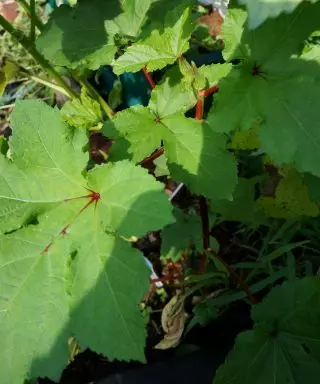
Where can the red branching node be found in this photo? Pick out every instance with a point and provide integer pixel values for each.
(46, 248)
(157, 119)
(256, 70)
(95, 196)
(64, 231)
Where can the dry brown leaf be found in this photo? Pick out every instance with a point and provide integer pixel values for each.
(214, 22)
(173, 320)
(9, 9)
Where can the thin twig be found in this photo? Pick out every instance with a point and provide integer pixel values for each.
(148, 77)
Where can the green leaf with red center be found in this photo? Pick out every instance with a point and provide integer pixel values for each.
(196, 155)
(75, 248)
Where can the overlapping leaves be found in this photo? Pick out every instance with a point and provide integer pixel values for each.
(274, 86)
(85, 34)
(196, 155)
(72, 249)
(167, 41)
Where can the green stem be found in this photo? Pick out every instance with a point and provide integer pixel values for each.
(28, 10)
(90, 89)
(33, 20)
(47, 83)
(29, 46)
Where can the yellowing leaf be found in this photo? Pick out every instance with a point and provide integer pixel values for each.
(291, 199)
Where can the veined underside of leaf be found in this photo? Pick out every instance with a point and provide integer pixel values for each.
(45, 266)
(274, 86)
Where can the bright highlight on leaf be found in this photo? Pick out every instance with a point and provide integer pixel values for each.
(162, 47)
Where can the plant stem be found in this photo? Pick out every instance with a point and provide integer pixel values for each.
(45, 82)
(159, 152)
(203, 202)
(209, 91)
(148, 77)
(199, 108)
(33, 20)
(93, 92)
(29, 46)
(29, 11)
(205, 222)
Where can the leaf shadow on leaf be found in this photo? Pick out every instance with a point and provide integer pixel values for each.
(105, 317)
(82, 29)
(203, 163)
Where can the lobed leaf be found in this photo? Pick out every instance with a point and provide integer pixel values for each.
(45, 266)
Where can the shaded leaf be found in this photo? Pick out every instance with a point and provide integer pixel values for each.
(284, 344)
(79, 36)
(181, 236)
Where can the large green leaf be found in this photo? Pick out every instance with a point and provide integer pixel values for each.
(66, 251)
(284, 344)
(80, 35)
(34, 311)
(274, 87)
(46, 166)
(166, 43)
(260, 10)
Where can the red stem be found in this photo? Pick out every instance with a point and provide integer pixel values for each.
(209, 91)
(159, 152)
(199, 108)
(203, 202)
(148, 77)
